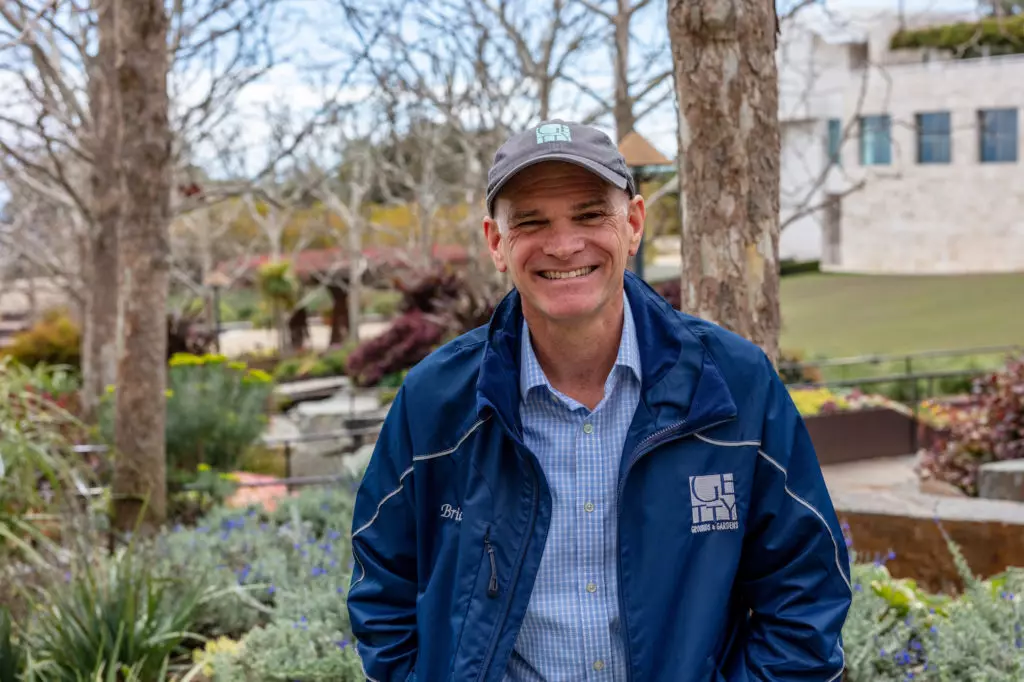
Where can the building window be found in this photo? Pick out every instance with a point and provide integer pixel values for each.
(933, 138)
(998, 135)
(875, 140)
(835, 141)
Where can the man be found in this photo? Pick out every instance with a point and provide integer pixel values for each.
(593, 486)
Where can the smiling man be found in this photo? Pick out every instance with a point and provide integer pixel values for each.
(593, 486)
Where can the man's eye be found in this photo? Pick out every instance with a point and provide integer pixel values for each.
(529, 223)
(589, 216)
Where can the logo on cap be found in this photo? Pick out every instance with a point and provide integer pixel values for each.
(553, 132)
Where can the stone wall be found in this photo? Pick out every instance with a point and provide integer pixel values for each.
(990, 533)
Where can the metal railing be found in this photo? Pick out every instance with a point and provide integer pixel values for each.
(356, 437)
(914, 396)
(906, 358)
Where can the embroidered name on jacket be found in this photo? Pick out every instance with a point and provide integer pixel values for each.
(450, 512)
(713, 503)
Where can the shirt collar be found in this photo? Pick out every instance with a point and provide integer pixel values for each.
(531, 375)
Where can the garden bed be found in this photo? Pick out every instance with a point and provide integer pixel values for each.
(868, 433)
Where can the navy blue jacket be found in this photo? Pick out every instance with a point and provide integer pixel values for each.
(732, 564)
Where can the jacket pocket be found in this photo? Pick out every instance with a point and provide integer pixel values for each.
(485, 559)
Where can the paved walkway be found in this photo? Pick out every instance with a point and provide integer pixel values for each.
(888, 474)
(234, 342)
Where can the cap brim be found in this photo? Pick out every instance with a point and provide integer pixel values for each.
(595, 168)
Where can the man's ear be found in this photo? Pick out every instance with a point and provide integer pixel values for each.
(492, 233)
(636, 216)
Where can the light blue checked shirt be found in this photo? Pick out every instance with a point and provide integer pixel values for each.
(572, 630)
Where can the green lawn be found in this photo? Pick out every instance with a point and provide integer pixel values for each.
(840, 315)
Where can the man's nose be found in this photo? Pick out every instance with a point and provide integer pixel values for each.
(563, 240)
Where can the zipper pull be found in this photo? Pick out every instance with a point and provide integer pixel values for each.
(492, 587)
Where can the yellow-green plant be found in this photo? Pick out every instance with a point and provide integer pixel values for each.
(216, 409)
(814, 401)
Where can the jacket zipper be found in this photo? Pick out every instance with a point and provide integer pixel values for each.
(492, 586)
(652, 441)
(515, 576)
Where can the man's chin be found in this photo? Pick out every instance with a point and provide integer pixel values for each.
(567, 309)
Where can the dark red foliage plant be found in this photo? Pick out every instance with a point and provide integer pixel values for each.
(409, 339)
(991, 433)
(438, 304)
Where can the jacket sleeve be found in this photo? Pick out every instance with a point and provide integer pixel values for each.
(794, 575)
(382, 594)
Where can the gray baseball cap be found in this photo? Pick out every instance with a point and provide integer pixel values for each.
(558, 140)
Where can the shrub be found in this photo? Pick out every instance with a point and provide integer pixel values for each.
(1001, 35)
(796, 375)
(992, 431)
(12, 654)
(284, 577)
(814, 401)
(311, 651)
(184, 335)
(215, 410)
(331, 362)
(437, 305)
(337, 358)
(54, 340)
(383, 303)
(896, 631)
(112, 613)
(35, 446)
(409, 339)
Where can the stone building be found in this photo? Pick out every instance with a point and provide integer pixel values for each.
(905, 161)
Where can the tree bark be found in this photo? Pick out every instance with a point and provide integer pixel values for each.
(726, 81)
(100, 321)
(339, 314)
(139, 484)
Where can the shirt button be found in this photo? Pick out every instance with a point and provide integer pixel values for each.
(591, 587)
(588, 507)
(588, 428)
(598, 665)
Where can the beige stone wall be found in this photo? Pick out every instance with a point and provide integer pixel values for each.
(912, 218)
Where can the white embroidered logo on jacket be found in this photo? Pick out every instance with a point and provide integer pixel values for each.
(713, 503)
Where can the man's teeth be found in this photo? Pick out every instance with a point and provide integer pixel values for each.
(579, 272)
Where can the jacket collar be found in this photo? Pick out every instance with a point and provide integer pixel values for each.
(680, 380)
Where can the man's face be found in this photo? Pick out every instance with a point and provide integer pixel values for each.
(564, 235)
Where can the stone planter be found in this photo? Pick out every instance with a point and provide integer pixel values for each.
(865, 434)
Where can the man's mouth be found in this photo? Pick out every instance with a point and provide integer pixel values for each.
(569, 274)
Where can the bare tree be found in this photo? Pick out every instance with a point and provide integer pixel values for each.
(543, 40)
(343, 192)
(729, 155)
(640, 87)
(139, 485)
(57, 140)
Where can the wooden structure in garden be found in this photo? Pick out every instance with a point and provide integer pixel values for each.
(639, 153)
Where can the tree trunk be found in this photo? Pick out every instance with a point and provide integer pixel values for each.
(354, 295)
(622, 108)
(298, 329)
(139, 484)
(100, 322)
(339, 314)
(726, 82)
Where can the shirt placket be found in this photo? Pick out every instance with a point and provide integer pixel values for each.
(592, 509)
